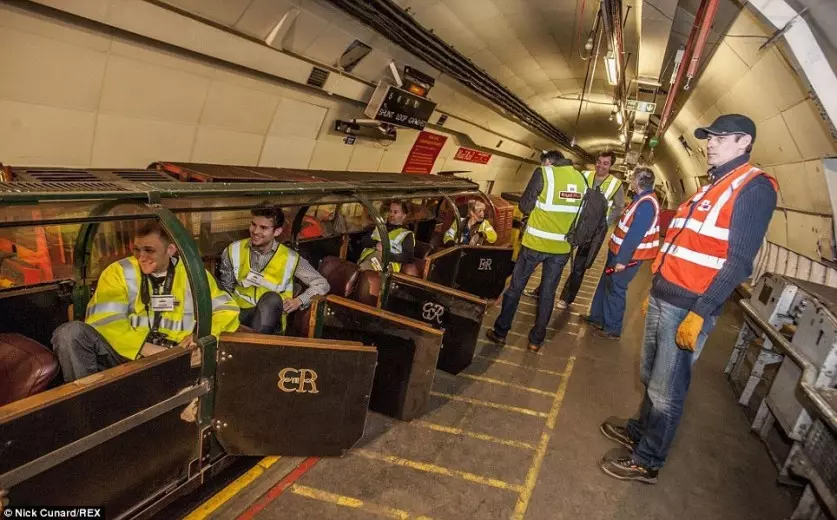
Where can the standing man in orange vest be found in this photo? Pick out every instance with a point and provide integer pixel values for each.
(635, 238)
(708, 250)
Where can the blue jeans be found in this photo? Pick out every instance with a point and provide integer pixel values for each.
(608, 306)
(666, 371)
(527, 260)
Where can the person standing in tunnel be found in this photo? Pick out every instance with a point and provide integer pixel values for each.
(611, 187)
(551, 199)
(708, 251)
(635, 239)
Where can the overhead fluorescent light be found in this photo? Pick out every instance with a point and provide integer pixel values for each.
(622, 138)
(610, 68)
(619, 118)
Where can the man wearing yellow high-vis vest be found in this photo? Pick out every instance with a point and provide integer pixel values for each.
(611, 188)
(402, 241)
(551, 199)
(259, 272)
(476, 229)
(142, 306)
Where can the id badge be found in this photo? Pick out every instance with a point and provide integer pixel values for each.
(162, 303)
(253, 279)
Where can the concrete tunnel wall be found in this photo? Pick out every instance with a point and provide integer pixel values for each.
(79, 95)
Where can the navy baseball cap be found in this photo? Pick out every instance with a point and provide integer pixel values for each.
(728, 124)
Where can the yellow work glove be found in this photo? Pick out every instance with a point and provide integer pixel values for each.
(688, 331)
(645, 306)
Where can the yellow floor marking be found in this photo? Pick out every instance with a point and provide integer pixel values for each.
(222, 497)
(504, 383)
(509, 347)
(342, 500)
(473, 435)
(518, 365)
(540, 453)
(489, 404)
(438, 470)
(512, 333)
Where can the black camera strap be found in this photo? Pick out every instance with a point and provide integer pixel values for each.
(145, 294)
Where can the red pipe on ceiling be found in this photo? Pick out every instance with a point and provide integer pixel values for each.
(694, 49)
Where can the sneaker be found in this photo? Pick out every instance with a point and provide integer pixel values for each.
(532, 293)
(493, 336)
(534, 348)
(561, 304)
(590, 321)
(619, 434)
(626, 468)
(607, 335)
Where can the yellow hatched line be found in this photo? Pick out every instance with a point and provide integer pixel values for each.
(490, 404)
(438, 470)
(354, 503)
(518, 365)
(473, 435)
(504, 383)
(532, 476)
(222, 497)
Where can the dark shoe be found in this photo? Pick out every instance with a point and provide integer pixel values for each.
(590, 321)
(607, 335)
(619, 434)
(626, 468)
(534, 348)
(532, 293)
(494, 337)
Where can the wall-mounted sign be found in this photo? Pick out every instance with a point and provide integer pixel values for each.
(349, 139)
(473, 156)
(641, 106)
(399, 107)
(424, 152)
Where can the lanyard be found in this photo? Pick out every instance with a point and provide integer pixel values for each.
(146, 296)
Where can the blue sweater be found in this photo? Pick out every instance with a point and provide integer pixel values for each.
(643, 218)
(751, 215)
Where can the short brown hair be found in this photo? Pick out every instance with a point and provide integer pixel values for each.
(153, 227)
(609, 153)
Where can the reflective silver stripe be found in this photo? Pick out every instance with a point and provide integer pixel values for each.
(643, 245)
(549, 206)
(451, 232)
(177, 326)
(701, 228)
(715, 212)
(235, 256)
(227, 308)
(545, 234)
(611, 188)
(138, 320)
(556, 208)
(100, 308)
(396, 243)
(701, 259)
(108, 320)
(221, 299)
(246, 297)
(288, 275)
(655, 228)
(131, 283)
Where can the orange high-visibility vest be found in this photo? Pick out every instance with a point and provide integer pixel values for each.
(650, 245)
(696, 246)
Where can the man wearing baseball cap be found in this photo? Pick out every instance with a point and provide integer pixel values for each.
(707, 252)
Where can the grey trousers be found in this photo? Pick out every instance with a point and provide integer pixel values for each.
(82, 351)
(266, 316)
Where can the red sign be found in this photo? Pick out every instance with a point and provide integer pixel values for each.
(424, 153)
(474, 156)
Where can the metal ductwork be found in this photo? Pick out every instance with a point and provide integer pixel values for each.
(394, 23)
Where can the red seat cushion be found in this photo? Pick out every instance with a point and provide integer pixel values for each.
(26, 367)
(341, 275)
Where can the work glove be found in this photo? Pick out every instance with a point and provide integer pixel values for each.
(688, 332)
(645, 306)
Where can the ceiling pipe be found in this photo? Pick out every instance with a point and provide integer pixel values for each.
(703, 36)
(701, 21)
(612, 21)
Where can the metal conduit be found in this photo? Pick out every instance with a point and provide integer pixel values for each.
(393, 22)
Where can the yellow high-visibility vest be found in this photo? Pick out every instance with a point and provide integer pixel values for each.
(396, 245)
(485, 228)
(558, 203)
(117, 312)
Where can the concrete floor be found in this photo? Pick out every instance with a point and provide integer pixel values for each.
(517, 436)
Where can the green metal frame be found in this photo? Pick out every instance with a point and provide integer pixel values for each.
(381, 225)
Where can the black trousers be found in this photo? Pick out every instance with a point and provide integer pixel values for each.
(576, 276)
(266, 316)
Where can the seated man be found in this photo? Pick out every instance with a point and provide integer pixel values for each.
(475, 228)
(142, 306)
(259, 272)
(402, 241)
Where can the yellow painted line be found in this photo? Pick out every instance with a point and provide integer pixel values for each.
(473, 435)
(504, 383)
(438, 470)
(559, 331)
(342, 500)
(490, 404)
(518, 365)
(509, 347)
(532, 476)
(222, 497)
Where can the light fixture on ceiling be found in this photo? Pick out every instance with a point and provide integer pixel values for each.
(610, 68)
(589, 45)
(619, 119)
(612, 113)
(622, 137)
